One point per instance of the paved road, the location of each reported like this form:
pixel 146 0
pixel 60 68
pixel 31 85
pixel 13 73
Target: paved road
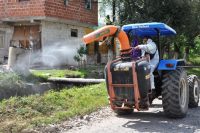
pixel 153 120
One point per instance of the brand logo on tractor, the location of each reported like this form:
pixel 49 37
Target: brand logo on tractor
pixel 147 76
pixel 107 31
pixel 121 69
pixel 141 26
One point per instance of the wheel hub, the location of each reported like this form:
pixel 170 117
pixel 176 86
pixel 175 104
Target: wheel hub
pixel 183 92
pixel 196 92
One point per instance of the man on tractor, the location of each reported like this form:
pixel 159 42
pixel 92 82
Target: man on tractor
pixel 128 81
pixel 149 47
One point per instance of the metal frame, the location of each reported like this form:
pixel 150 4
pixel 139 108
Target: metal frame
pixel 134 86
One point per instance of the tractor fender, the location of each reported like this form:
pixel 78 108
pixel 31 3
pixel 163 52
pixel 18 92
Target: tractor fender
pixel 171 64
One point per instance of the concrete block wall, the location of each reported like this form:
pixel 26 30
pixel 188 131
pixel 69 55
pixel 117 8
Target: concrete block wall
pixel 8 32
pixel 57 42
pixel 92 59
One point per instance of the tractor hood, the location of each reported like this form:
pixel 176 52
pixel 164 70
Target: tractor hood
pixel 149 29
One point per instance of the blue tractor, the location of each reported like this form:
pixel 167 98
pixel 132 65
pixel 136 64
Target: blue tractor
pixel 128 79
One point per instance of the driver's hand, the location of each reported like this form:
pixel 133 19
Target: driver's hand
pixel 137 47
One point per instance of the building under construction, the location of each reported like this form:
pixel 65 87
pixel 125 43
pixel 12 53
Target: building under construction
pixel 40 23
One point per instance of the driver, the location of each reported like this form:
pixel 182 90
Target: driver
pixel 149 47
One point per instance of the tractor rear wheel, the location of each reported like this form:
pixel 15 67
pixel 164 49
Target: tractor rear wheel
pixel 123 111
pixel 193 91
pixel 175 93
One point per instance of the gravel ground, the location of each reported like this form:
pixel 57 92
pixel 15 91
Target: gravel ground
pixel 75 123
pixel 104 120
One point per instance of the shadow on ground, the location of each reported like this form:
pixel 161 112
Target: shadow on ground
pixel 156 121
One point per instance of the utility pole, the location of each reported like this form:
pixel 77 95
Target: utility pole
pixel 113 10
pixel 111 47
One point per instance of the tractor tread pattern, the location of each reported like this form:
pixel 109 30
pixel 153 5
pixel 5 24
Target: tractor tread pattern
pixel 192 102
pixel 170 93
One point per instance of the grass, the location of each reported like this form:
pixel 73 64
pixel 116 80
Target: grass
pixel 58 73
pixel 7 79
pixel 11 84
pixel 18 113
pixel 90 71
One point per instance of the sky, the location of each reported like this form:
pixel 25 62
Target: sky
pixel 101 16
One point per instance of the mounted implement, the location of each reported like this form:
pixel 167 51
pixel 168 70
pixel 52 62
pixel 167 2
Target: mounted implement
pixel 128 79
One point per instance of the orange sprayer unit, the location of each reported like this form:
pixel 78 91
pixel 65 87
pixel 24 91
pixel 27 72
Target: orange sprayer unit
pixel 107 31
pixel 126 103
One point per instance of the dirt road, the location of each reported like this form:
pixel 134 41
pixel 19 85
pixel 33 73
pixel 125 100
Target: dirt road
pixel 153 120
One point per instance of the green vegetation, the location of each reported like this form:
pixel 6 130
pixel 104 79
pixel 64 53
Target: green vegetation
pixel 79 56
pixel 195 61
pixel 195 71
pixel 58 73
pixel 183 16
pixel 196 49
pixel 9 79
pixel 88 72
pixel 11 84
pixel 18 113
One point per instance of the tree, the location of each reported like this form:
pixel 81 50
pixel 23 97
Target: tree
pixel 79 56
pixel 196 49
pixel 182 15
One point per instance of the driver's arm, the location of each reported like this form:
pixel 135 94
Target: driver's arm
pixel 149 48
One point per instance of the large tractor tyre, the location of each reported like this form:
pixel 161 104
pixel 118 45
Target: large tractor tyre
pixel 175 93
pixel 123 111
pixel 193 91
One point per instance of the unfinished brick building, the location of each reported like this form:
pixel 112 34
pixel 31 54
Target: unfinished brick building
pixel 45 22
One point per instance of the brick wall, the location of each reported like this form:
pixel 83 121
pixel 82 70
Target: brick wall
pixel 74 10
pixel 1 8
pixel 14 8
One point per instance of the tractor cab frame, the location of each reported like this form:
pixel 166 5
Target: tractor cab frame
pixel 157 30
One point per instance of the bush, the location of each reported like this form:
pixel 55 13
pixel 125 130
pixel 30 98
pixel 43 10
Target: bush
pixel 12 84
pixel 80 53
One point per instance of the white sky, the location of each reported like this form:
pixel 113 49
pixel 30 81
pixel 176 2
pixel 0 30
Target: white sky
pixel 101 17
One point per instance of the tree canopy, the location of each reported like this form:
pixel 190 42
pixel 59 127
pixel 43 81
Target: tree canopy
pixel 182 15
